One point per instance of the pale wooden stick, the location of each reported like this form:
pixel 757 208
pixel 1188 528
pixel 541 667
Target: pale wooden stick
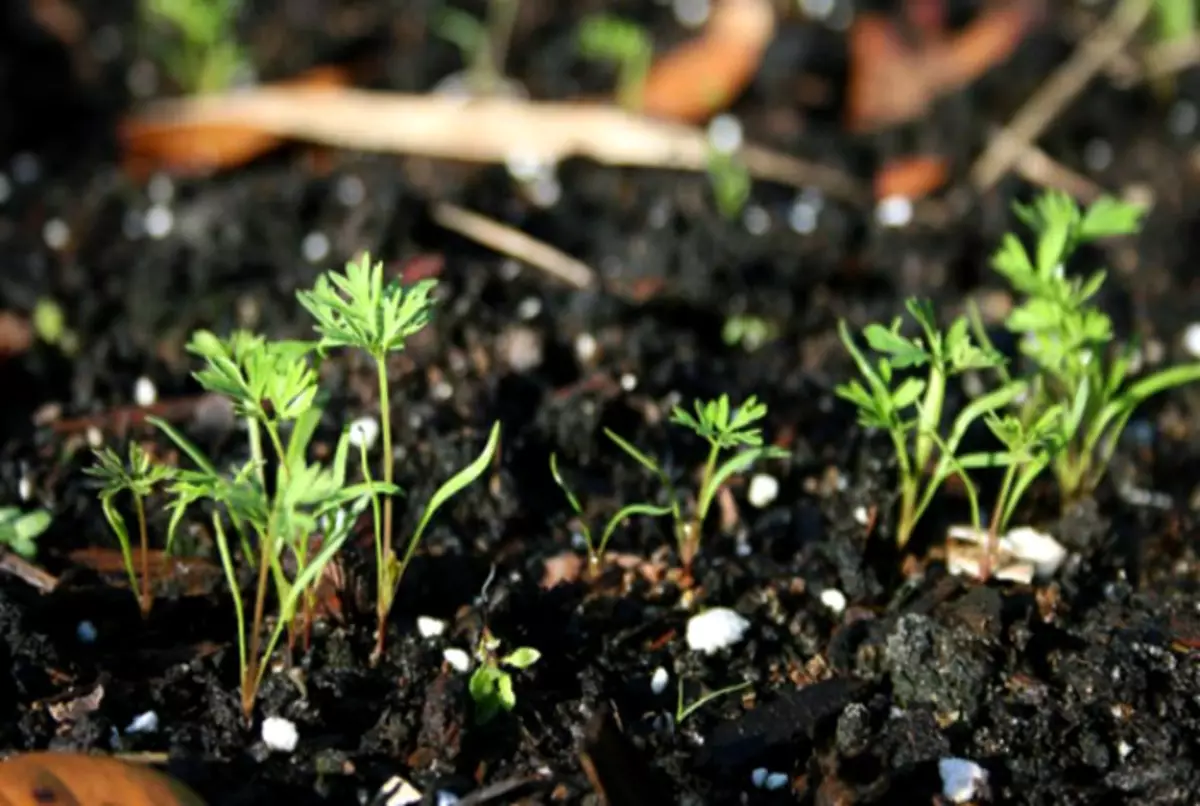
pixel 1059 90
pixel 477 130
pixel 514 243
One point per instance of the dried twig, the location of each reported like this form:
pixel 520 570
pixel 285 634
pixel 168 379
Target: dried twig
pixel 514 243
pixel 27 572
pixel 478 130
pixel 1039 111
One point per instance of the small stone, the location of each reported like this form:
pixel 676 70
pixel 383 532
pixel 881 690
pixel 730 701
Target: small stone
pixel 430 627
pixel 458 659
pixel 715 629
pixel 280 734
pixel 834 599
pixel 758 777
pixel 764 489
pixel 894 212
pixel 962 779
pixel 144 392
pixel 775 781
pixel 658 680
pixel 144 723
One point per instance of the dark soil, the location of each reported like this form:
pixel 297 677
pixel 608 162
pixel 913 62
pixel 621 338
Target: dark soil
pixel 1085 690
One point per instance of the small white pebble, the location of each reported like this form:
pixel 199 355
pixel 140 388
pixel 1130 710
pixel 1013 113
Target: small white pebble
pixel 441 391
pixel 529 308
pixel 430 627
pixel 1124 749
pixel 525 166
pixel 545 190
pixel 396 791
pixel 94 436
pixel 280 734
pixel 756 219
pixel 458 659
pixel 894 211
pixel 802 216
pixel 1191 339
pixel 658 680
pixel 25 488
pixel 629 382
pixel 144 723
pixel 86 632
pixel 350 190
pixel 445 798
pixel 775 781
pixel 759 777
pixel 961 779
pixel 715 629
pixel 834 599
pixel 725 134
pixel 159 221
pixel 315 247
pixel 862 516
pixel 585 348
pixel 764 489
pixel 363 432
pixel 144 392
pixel 56 233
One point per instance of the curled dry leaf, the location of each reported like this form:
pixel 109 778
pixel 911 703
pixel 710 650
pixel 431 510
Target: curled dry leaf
pixel 911 177
pixel 197 149
pixel 893 81
pixel 705 75
pixel 29 779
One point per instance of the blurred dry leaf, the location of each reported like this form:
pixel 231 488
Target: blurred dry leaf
pixel 183 576
pixel 16 334
pixel 911 177
pixel 35 779
pixel 893 81
pixel 201 148
pixel 705 75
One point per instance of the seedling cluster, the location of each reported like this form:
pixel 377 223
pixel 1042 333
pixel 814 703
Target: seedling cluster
pixel 1063 404
pixel 277 512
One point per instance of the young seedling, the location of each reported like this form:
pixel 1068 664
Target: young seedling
pixel 483 45
pixel 724 428
pixel 276 502
pixel 910 409
pixel 207 56
pixel 1028 451
pixel 137 477
pixel 491 684
pixel 20 530
pixel 1066 337
pixel 596 551
pixel 682 712
pixel 358 310
pixel 604 37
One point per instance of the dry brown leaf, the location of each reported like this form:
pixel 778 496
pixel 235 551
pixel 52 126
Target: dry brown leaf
pixel 911 177
pixel 894 82
pixel 29 779
pixel 706 74
pixel 199 149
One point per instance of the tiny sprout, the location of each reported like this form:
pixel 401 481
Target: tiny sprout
pixel 724 428
pixel 137 477
pixel 20 530
pixel 491 684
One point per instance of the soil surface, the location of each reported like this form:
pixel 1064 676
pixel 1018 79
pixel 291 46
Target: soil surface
pixel 1080 690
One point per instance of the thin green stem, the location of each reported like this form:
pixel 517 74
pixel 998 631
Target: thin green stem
pixel 145 596
pixel 266 547
pixel 385 554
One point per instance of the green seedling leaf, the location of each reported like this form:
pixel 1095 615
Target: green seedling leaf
pixel 20 530
pixel 641 458
pixel 1108 217
pixel 624 514
pixel 452 487
pixel 562 485
pixel 521 658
